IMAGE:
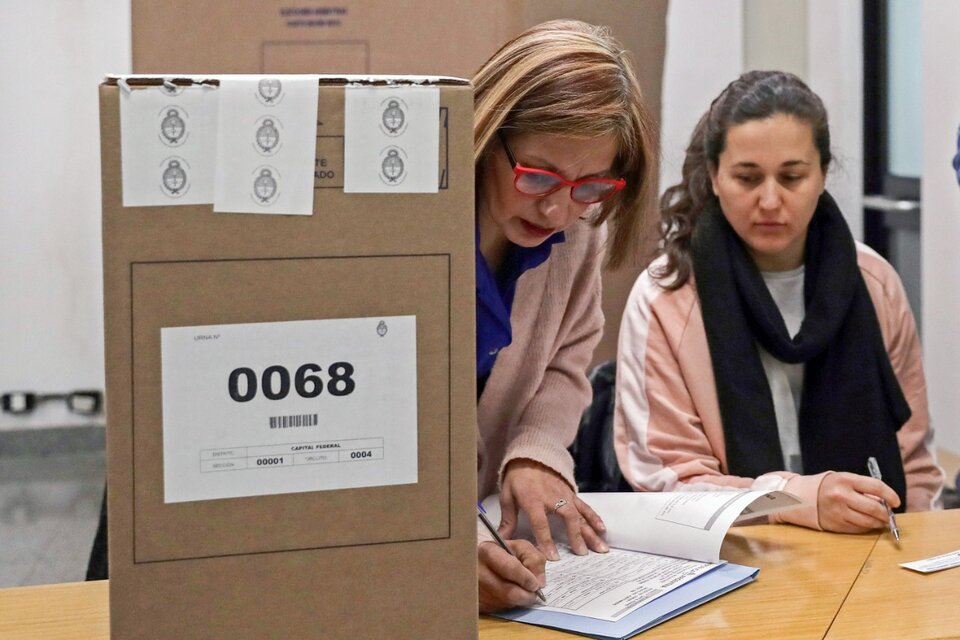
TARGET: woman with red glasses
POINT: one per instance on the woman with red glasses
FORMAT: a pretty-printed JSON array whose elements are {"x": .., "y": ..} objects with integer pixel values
[{"x": 562, "y": 145}]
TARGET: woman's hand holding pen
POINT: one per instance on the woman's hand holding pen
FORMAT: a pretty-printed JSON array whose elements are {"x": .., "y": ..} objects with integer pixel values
[
  {"x": 506, "y": 581},
  {"x": 850, "y": 503},
  {"x": 533, "y": 488}
]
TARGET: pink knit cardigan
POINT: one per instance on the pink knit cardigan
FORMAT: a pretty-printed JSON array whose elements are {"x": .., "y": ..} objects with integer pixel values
[{"x": 531, "y": 405}]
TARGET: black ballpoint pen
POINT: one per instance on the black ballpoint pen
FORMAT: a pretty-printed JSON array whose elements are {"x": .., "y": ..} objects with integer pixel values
[{"x": 496, "y": 536}]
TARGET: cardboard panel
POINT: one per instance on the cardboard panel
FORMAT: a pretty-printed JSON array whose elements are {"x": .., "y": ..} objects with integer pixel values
[
  {"x": 350, "y": 563},
  {"x": 245, "y": 36},
  {"x": 301, "y": 57},
  {"x": 191, "y": 293}
]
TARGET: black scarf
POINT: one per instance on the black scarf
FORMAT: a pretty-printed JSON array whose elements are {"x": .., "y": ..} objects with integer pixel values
[{"x": 852, "y": 404}]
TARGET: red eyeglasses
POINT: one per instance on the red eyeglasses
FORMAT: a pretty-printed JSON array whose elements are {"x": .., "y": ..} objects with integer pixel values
[{"x": 540, "y": 182}]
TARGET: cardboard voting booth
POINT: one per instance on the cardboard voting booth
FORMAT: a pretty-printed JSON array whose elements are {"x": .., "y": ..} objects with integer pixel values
[
  {"x": 453, "y": 37},
  {"x": 290, "y": 394}
]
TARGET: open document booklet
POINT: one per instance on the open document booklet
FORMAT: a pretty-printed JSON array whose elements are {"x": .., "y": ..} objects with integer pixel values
[{"x": 664, "y": 559}]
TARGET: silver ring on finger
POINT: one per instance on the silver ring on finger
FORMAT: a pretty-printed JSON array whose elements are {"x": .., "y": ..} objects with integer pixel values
[{"x": 560, "y": 503}]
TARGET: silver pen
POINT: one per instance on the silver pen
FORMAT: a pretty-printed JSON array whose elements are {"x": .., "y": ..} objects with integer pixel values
[
  {"x": 874, "y": 469},
  {"x": 496, "y": 536}
]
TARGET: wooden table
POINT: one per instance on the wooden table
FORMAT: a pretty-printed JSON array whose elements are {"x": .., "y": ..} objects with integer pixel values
[
  {"x": 888, "y": 601},
  {"x": 804, "y": 577},
  {"x": 73, "y": 611},
  {"x": 811, "y": 585}
]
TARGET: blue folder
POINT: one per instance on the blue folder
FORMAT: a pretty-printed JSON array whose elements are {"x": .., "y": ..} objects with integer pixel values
[{"x": 724, "y": 578}]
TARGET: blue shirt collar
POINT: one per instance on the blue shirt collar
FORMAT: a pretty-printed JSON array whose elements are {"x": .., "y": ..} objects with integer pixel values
[{"x": 495, "y": 296}]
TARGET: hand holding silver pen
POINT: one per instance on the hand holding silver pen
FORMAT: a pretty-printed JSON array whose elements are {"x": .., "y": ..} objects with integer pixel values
[
  {"x": 481, "y": 513},
  {"x": 874, "y": 470}
]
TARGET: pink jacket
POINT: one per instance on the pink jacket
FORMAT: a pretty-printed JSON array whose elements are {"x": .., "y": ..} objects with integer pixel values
[
  {"x": 667, "y": 429},
  {"x": 538, "y": 387}
]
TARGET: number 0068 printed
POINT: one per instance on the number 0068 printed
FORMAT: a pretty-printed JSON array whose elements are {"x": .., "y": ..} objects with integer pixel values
[{"x": 287, "y": 407}]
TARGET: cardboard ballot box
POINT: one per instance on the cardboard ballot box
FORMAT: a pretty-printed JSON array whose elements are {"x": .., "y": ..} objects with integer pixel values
[{"x": 290, "y": 398}]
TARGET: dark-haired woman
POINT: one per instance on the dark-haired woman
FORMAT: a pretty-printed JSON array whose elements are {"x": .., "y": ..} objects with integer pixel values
[{"x": 765, "y": 348}]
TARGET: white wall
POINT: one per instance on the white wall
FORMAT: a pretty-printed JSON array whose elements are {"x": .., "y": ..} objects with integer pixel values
[
  {"x": 835, "y": 73},
  {"x": 940, "y": 234},
  {"x": 53, "y": 54},
  {"x": 710, "y": 43},
  {"x": 905, "y": 88},
  {"x": 704, "y": 54},
  {"x": 775, "y": 35}
]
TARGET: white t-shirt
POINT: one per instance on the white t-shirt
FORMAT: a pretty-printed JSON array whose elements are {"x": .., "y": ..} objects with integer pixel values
[{"x": 786, "y": 380}]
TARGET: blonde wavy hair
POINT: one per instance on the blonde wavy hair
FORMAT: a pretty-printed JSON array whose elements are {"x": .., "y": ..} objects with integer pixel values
[{"x": 570, "y": 78}]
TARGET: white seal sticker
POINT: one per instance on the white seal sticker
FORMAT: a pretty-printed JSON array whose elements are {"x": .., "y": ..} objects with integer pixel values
[
  {"x": 287, "y": 407},
  {"x": 167, "y": 145},
  {"x": 266, "y": 144},
  {"x": 391, "y": 139}
]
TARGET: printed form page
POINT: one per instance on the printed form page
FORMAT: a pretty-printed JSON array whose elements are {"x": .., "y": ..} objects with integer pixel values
[{"x": 608, "y": 586}]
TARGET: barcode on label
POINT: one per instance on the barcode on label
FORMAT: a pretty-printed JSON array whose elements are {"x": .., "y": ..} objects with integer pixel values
[{"x": 286, "y": 422}]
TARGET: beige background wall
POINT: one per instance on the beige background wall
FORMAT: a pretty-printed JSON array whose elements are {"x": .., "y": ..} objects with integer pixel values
[
  {"x": 775, "y": 35},
  {"x": 452, "y": 38}
]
